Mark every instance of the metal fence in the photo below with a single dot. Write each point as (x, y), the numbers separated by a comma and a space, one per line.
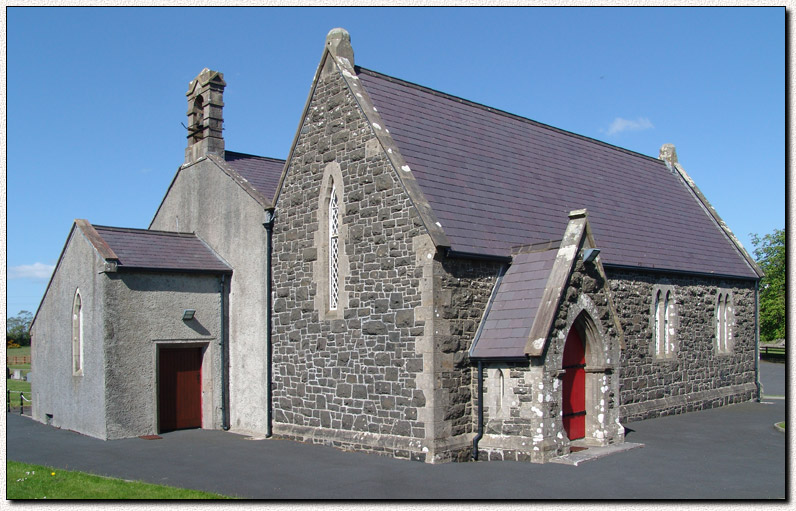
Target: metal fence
(22, 400)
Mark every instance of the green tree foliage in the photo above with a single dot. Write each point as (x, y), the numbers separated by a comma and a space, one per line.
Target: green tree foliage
(17, 328)
(770, 255)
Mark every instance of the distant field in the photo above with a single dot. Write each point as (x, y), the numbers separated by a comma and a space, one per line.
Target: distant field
(18, 352)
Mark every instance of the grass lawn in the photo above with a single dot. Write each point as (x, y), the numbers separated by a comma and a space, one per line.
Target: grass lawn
(22, 351)
(781, 424)
(24, 482)
(14, 385)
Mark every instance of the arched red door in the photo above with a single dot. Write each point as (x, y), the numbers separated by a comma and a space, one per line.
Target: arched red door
(574, 391)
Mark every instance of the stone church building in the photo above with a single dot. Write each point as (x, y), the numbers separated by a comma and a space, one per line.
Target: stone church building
(423, 277)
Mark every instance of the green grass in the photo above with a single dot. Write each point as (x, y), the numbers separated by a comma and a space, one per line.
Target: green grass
(27, 482)
(18, 352)
(18, 385)
(781, 424)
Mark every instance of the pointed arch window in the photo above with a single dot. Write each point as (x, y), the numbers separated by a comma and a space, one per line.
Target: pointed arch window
(723, 323)
(658, 315)
(77, 334)
(664, 322)
(334, 250)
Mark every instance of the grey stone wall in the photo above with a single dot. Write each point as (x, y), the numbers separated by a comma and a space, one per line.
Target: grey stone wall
(464, 287)
(348, 379)
(143, 311)
(75, 402)
(697, 376)
(205, 200)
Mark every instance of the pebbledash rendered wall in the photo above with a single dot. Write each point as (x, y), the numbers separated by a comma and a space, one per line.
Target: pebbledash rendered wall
(56, 390)
(697, 376)
(206, 200)
(143, 314)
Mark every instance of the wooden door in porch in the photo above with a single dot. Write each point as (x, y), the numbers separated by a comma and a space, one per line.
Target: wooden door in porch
(180, 388)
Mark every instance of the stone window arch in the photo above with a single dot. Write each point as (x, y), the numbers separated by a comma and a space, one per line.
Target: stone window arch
(725, 322)
(77, 334)
(664, 320)
(330, 269)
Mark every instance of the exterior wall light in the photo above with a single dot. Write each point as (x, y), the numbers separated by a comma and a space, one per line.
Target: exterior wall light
(187, 314)
(590, 254)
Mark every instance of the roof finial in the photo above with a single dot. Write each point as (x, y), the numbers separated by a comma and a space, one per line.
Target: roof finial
(338, 42)
(668, 154)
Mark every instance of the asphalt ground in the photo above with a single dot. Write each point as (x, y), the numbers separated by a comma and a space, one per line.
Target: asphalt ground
(732, 452)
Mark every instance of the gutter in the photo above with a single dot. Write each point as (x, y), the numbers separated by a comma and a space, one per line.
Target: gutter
(647, 269)
(455, 254)
(224, 411)
(269, 230)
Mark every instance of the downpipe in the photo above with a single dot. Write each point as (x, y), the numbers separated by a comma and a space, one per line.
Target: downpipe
(480, 410)
(269, 230)
(222, 344)
(757, 341)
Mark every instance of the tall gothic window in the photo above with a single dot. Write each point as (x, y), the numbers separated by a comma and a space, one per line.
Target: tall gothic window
(77, 334)
(664, 322)
(334, 250)
(657, 331)
(667, 310)
(723, 323)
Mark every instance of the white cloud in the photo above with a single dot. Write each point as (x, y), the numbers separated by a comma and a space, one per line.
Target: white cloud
(39, 271)
(619, 125)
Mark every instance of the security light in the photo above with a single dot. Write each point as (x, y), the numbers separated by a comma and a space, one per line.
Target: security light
(187, 314)
(590, 254)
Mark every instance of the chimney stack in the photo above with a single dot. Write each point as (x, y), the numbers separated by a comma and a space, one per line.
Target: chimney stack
(205, 115)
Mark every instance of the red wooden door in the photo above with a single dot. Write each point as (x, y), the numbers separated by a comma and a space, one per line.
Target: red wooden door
(574, 391)
(180, 388)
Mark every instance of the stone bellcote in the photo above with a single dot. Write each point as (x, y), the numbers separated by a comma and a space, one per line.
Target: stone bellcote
(205, 115)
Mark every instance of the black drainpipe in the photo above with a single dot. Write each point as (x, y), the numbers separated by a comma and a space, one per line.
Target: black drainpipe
(269, 228)
(224, 416)
(757, 339)
(480, 409)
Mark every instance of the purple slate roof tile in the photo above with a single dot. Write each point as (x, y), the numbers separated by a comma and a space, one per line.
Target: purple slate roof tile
(263, 173)
(496, 181)
(513, 308)
(160, 250)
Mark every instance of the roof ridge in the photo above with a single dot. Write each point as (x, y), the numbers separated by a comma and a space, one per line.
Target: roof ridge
(498, 111)
(257, 156)
(145, 231)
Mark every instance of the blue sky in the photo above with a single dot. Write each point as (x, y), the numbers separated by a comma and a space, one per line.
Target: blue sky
(96, 97)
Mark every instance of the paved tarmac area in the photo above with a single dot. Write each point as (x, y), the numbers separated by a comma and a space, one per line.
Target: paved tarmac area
(732, 452)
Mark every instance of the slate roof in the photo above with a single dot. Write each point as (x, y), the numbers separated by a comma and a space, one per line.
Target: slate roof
(507, 324)
(142, 249)
(263, 173)
(496, 181)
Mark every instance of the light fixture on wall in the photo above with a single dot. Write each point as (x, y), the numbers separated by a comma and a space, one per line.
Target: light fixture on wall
(590, 254)
(187, 314)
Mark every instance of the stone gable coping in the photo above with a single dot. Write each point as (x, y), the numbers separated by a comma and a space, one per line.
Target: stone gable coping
(577, 235)
(91, 234)
(668, 154)
(338, 48)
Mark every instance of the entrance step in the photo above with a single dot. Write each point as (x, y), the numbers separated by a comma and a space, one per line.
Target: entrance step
(592, 453)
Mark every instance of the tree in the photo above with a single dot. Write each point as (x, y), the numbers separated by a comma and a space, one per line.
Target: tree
(17, 328)
(770, 256)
